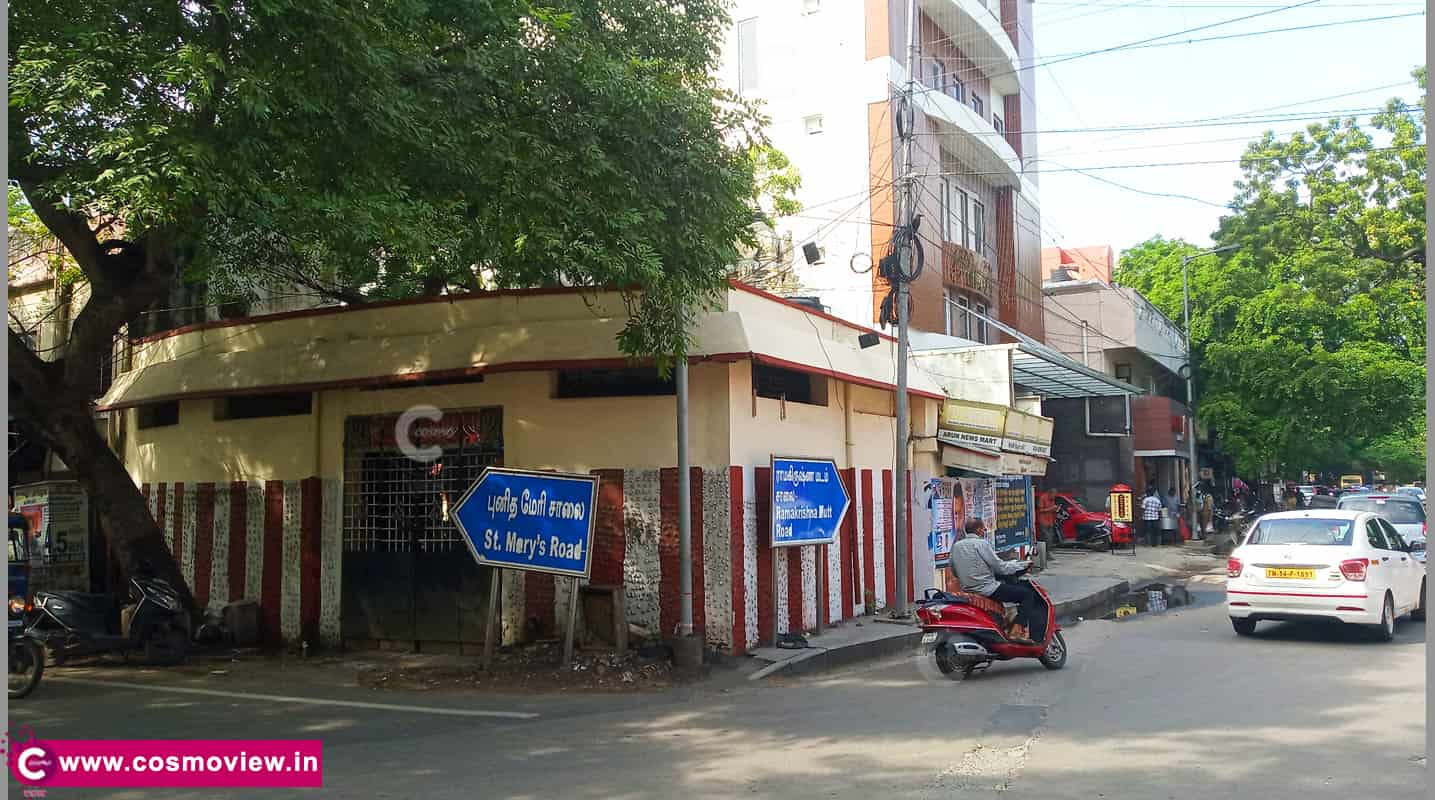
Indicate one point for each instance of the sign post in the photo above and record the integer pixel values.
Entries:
(809, 503)
(533, 522)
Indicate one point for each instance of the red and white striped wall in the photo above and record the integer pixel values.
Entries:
(741, 587)
(280, 543)
(277, 542)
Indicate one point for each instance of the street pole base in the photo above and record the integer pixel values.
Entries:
(687, 653)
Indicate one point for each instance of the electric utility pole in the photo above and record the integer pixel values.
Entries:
(906, 254)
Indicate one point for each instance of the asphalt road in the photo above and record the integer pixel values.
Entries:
(1171, 706)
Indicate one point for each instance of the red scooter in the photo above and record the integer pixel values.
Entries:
(966, 632)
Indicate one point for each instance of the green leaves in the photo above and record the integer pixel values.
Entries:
(1309, 338)
(404, 146)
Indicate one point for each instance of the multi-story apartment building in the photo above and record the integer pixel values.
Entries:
(831, 75)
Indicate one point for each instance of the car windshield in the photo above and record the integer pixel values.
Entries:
(1304, 530)
(1399, 512)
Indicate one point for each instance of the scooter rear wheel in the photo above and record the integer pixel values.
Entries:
(945, 665)
(1054, 657)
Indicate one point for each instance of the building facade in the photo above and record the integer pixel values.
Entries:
(1143, 440)
(269, 452)
(830, 76)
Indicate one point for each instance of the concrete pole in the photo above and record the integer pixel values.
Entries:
(685, 521)
(905, 256)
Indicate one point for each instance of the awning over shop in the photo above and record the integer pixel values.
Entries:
(1052, 374)
(988, 372)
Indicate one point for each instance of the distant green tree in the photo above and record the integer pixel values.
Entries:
(1309, 338)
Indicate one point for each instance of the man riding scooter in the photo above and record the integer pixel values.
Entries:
(976, 565)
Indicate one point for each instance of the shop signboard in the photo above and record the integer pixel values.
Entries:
(1028, 434)
(970, 424)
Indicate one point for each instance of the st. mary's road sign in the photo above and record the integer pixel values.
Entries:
(534, 521)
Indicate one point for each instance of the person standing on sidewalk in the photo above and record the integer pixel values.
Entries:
(1151, 516)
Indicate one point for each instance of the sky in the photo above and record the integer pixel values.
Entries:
(1213, 80)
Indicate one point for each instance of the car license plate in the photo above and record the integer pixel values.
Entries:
(928, 638)
(1294, 574)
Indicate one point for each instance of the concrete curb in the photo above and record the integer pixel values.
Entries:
(1099, 599)
(821, 659)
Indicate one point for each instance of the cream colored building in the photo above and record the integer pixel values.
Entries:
(267, 449)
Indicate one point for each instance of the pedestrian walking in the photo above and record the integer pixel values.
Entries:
(1151, 516)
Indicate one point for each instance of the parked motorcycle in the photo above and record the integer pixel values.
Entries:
(966, 632)
(79, 623)
(27, 658)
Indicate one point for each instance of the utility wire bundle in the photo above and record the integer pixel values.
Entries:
(890, 268)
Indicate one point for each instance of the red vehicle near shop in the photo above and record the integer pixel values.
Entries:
(1075, 525)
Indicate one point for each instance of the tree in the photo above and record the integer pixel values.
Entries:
(376, 150)
(1309, 338)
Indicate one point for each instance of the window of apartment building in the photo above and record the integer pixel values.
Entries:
(998, 124)
(959, 317)
(979, 227)
(957, 89)
(979, 324)
(790, 385)
(947, 215)
(747, 55)
(812, 124)
(978, 106)
(1123, 373)
(157, 415)
(255, 406)
(963, 201)
(936, 75)
(621, 382)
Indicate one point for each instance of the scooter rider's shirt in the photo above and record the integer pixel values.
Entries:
(976, 565)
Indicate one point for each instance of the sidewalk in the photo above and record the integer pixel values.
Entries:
(1079, 582)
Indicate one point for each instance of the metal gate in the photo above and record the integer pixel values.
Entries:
(408, 577)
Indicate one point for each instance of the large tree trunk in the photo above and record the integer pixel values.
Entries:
(65, 421)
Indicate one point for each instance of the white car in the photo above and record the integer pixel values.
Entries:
(1346, 566)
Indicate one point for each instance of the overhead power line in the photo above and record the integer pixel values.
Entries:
(1262, 32)
(1245, 120)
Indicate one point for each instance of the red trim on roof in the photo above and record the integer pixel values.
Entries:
(743, 287)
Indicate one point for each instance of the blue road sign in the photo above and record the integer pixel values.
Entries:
(534, 521)
(808, 501)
